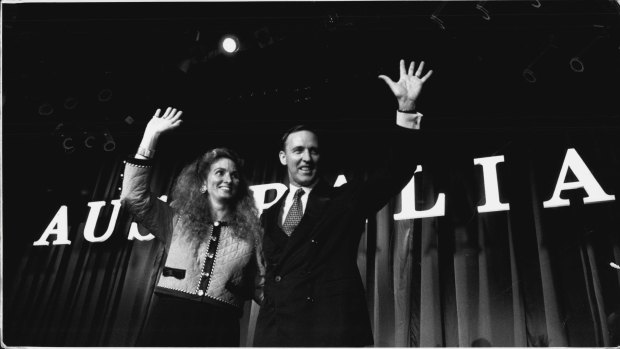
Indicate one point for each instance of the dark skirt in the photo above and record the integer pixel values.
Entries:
(178, 322)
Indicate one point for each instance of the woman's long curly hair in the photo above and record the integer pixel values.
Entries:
(194, 207)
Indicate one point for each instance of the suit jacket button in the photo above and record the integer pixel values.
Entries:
(278, 278)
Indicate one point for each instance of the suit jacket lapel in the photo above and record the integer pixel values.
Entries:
(272, 224)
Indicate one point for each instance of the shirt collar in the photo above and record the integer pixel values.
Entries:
(293, 188)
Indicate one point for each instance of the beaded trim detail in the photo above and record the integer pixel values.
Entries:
(136, 165)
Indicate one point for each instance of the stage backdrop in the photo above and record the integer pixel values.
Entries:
(535, 82)
(526, 276)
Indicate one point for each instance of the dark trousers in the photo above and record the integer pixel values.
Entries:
(178, 322)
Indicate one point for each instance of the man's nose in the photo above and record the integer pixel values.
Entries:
(306, 156)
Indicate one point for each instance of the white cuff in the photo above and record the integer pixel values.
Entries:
(409, 120)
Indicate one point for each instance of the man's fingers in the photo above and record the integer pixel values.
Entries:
(411, 68)
(177, 123)
(387, 80)
(167, 112)
(176, 116)
(428, 75)
(403, 72)
(418, 73)
(156, 115)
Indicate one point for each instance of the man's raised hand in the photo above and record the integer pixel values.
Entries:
(409, 85)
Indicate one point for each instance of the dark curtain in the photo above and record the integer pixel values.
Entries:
(530, 276)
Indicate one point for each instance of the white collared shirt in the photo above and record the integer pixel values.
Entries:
(288, 201)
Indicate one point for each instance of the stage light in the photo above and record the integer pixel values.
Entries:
(46, 109)
(435, 16)
(528, 73)
(108, 141)
(70, 103)
(575, 63)
(614, 265)
(67, 144)
(105, 95)
(65, 138)
(230, 44)
(485, 14)
(89, 140)
(263, 37)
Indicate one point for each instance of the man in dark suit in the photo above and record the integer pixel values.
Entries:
(314, 295)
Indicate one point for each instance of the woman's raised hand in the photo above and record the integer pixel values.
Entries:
(164, 123)
(155, 127)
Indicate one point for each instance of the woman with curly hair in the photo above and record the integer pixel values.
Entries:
(212, 239)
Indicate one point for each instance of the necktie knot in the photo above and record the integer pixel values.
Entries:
(298, 194)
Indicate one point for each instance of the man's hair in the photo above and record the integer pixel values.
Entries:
(294, 129)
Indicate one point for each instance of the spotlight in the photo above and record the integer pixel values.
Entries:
(70, 103)
(46, 109)
(89, 140)
(435, 16)
(575, 63)
(65, 137)
(528, 73)
(614, 265)
(263, 37)
(105, 95)
(67, 144)
(485, 14)
(230, 44)
(108, 142)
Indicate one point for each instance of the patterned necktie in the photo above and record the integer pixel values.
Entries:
(294, 213)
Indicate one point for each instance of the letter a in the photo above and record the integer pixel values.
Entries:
(57, 226)
(408, 203)
(585, 180)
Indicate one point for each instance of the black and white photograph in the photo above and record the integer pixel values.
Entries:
(310, 174)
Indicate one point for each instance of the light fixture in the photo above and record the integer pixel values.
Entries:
(105, 95)
(230, 44)
(70, 103)
(46, 109)
(65, 137)
(108, 141)
(435, 16)
(575, 63)
(485, 13)
(528, 72)
(614, 265)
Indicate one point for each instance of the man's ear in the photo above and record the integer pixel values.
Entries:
(282, 157)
